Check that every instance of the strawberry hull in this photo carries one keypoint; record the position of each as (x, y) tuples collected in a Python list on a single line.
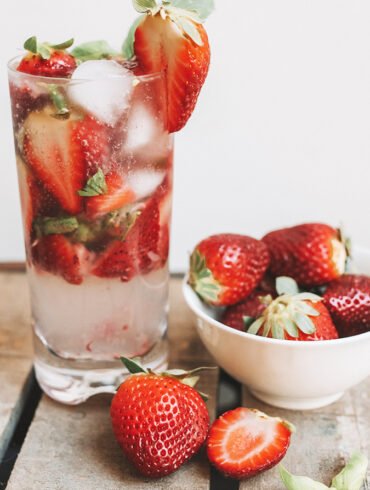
[(96, 205)]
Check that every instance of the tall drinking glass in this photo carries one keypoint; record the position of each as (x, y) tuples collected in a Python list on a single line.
[(94, 163)]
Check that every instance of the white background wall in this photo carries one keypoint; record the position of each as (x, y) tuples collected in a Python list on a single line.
[(281, 133)]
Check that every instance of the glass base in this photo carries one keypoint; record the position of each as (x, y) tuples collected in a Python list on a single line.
[(73, 381)]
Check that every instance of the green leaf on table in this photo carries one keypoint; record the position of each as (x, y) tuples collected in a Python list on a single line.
[(93, 50), (95, 186), (353, 474), (203, 8), (128, 44), (293, 482)]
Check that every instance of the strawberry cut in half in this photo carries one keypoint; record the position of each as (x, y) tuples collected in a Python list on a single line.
[(244, 442), (174, 41), (57, 255), (116, 261), (55, 157)]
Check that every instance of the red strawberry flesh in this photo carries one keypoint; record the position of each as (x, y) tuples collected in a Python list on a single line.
[(60, 64), (244, 442)]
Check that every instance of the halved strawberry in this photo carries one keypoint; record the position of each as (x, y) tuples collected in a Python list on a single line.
[(52, 152), (173, 42), (57, 255), (116, 196), (244, 442)]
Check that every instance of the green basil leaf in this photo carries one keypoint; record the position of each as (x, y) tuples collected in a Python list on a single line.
[(64, 45), (31, 44), (93, 50), (95, 186)]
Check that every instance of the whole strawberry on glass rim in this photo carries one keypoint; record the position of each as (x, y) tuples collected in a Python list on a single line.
[(225, 268), (293, 315), (348, 301), (312, 253), (159, 420), (92, 131)]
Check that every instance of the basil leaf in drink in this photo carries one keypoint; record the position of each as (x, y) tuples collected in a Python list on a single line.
[(128, 44), (59, 100), (56, 226), (93, 50), (95, 186)]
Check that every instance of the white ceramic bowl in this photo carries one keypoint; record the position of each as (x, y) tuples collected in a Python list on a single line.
[(290, 374)]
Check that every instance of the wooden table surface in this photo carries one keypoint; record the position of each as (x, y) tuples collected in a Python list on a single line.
[(45, 445)]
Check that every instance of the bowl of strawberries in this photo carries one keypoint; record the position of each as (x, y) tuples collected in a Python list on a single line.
[(287, 315)]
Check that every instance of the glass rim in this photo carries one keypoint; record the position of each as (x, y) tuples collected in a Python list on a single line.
[(12, 69)]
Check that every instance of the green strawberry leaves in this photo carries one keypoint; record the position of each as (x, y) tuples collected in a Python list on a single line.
[(203, 8), (95, 186), (201, 279), (143, 6), (59, 101), (93, 50), (45, 49), (351, 477), (55, 226)]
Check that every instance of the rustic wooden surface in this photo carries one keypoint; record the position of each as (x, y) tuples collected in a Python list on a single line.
[(73, 448), (15, 351)]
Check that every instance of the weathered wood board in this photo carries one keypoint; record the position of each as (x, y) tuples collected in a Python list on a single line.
[(15, 350)]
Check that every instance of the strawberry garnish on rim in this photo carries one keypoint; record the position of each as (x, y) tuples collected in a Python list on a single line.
[(173, 40), (47, 60), (244, 442)]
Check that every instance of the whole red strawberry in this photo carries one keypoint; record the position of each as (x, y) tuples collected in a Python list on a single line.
[(226, 268), (158, 421), (294, 315), (348, 301), (244, 442), (47, 60), (313, 253), (173, 41)]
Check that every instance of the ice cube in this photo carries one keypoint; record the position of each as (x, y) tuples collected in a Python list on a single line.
[(142, 128), (103, 88), (145, 182)]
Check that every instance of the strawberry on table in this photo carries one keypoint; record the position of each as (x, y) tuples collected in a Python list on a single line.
[(47, 60), (56, 254), (55, 157), (312, 253), (293, 315), (159, 421), (225, 268), (173, 40), (244, 442), (348, 301)]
